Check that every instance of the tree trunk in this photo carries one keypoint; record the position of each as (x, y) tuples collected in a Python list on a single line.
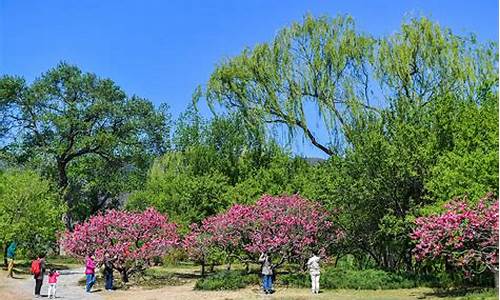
[(337, 258), (5, 255), (63, 191), (212, 267), (203, 269), (229, 266), (124, 275), (247, 267), (62, 181)]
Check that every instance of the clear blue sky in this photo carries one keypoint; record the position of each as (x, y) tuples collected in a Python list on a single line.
[(162, 50)]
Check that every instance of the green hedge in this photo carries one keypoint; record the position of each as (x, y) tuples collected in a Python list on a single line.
[(331, 278), (227, 280)]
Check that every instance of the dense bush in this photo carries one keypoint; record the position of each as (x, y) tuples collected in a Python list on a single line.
[(227, 280)]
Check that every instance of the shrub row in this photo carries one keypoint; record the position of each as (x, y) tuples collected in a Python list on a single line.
[(336, 278), (331, 278), (226, 280)]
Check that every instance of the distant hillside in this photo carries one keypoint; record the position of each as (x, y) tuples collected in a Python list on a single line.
[(314, 160)]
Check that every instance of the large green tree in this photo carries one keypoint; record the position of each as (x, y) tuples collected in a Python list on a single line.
[(83, 131), (319, 64), (327, 66)]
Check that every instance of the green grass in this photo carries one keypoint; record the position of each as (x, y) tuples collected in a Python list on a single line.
[(465, 293), (485, 294)]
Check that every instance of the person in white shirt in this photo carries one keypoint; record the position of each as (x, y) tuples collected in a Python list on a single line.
[(313, 265)]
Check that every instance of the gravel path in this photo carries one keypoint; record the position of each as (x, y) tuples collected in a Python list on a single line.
[(67, 287)]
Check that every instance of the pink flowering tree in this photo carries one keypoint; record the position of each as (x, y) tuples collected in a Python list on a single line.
[(465, 236), (134, 238), (199, 246), (223, 233), (288, 227)]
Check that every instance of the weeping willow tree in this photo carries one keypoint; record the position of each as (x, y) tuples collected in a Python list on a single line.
[(321, 61), (328, 67)]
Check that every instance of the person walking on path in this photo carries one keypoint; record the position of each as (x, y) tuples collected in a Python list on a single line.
[(38, 270), (90, 272), (11, 253), (267, 273), (314, 270), (108, 271), (53, 274)]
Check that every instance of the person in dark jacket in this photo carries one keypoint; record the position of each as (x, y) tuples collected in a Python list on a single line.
[(108, 271), (39, 277), (11, 253)]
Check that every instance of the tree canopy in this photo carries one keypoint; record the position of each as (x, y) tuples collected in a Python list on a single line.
[(83, 131), (327, 64)]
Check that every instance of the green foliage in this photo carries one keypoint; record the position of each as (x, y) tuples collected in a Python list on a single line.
[(214, 165), (82, 131), (226, 280), (30, 211), (471, 165), (315, 61), (184, 196)]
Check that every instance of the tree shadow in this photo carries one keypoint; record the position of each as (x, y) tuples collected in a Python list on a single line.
[(188, 275)]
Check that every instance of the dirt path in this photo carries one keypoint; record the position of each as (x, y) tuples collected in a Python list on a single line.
[(67, 287)]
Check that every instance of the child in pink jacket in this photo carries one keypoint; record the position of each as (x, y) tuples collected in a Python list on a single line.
[(53, 274)]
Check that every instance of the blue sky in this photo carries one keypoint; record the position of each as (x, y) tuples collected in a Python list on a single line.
[(162, 50)]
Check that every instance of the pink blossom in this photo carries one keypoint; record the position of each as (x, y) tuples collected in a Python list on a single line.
[(134, 238), (287, 226), (466, 236)]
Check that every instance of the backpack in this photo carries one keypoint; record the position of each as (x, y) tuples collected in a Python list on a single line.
[(35, 267)]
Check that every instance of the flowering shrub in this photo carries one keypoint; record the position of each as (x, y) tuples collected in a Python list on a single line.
[(134, 238), (465, 236), (289, 227)]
